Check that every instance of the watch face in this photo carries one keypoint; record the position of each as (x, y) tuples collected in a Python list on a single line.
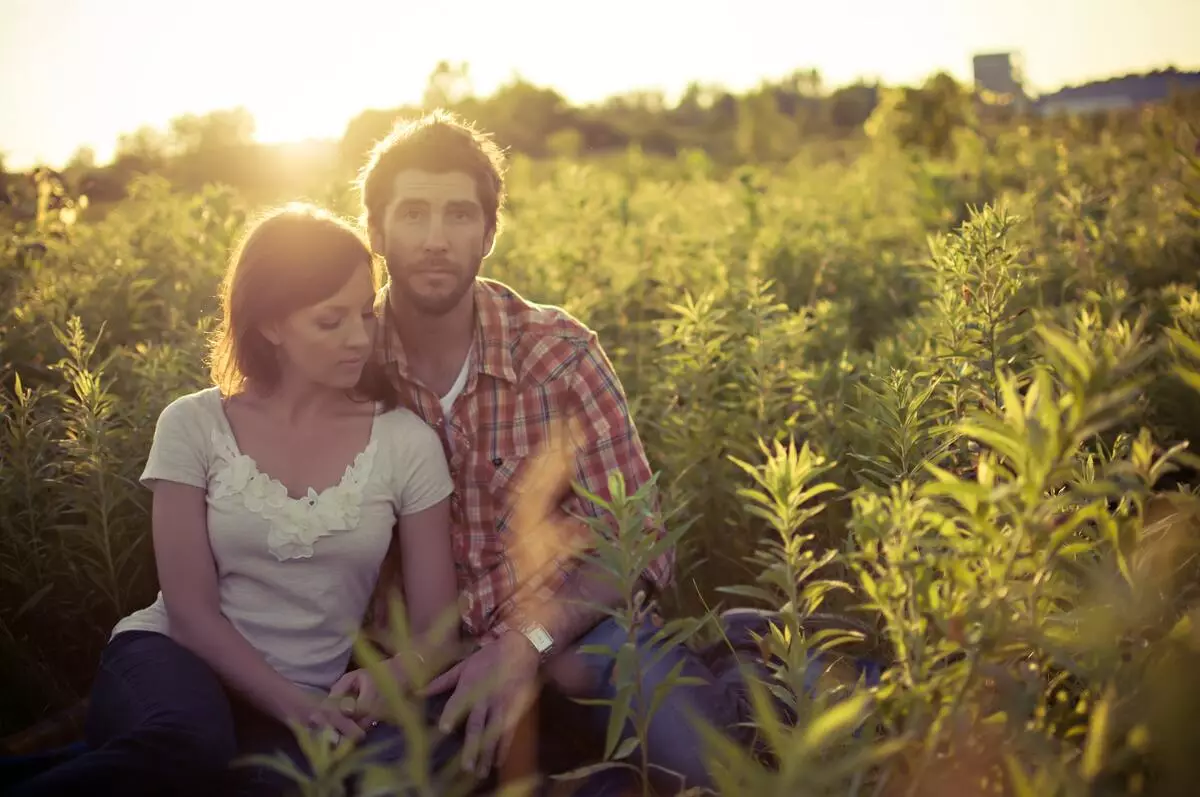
[(540, 639)]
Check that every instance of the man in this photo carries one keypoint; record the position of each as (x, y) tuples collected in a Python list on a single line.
[(492, 373)]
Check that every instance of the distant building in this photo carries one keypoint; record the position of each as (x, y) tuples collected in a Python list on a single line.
[(1122, 93), (997, 72), (999, 77)]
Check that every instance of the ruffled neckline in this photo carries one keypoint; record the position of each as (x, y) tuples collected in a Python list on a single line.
[(295, 523)]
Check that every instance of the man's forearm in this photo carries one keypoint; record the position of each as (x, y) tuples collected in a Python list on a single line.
[(586, 597)]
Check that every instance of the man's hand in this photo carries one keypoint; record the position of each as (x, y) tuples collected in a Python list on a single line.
[(501, 679)]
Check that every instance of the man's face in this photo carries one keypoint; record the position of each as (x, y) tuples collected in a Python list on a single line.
[(434, 237)]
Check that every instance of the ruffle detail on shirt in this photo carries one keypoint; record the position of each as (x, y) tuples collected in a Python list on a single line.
[(295, 523)]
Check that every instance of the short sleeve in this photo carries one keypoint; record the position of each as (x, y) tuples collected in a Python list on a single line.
[(422, 476), (179, 452)]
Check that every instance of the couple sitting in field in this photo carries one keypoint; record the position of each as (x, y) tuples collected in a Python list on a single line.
[(347, 421)]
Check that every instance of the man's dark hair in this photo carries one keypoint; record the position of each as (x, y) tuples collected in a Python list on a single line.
[(437, 142)]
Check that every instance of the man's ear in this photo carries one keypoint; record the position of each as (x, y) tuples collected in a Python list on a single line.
[(377, 241), (489, 240)]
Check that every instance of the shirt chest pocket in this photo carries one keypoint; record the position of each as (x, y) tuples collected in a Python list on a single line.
[(496, 476)]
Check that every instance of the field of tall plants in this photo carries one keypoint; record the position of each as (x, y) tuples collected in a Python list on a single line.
[(952, 398)]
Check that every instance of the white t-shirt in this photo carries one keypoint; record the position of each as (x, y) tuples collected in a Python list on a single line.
[(447, 401), (294, 575)]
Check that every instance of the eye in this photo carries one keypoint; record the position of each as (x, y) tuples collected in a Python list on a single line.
[(328, 325)]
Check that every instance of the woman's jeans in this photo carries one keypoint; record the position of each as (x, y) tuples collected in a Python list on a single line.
[(159, 723)]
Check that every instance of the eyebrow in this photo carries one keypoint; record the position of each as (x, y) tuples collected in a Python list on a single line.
[(454, 204)]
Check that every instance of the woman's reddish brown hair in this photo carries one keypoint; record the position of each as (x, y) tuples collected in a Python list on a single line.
[(289, 258)]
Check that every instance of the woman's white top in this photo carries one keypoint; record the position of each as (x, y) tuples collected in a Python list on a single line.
[(294, 575)]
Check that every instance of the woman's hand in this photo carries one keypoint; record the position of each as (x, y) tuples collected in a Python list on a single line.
[(357, 693), (320, 714), (328, 714)]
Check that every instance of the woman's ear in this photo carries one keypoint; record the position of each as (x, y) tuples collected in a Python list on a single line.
[(270, 332)]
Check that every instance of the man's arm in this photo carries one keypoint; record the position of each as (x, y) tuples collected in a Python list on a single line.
[(557, 590), (553, 588)]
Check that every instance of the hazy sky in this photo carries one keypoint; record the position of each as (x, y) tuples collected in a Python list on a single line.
[(76, 72)]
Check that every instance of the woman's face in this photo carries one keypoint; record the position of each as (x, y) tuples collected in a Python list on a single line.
[(329, 342)]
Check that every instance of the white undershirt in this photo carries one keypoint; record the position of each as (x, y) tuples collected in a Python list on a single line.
[(447, 401)]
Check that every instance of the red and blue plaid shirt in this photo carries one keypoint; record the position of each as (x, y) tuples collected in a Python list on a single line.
[(531, 365)]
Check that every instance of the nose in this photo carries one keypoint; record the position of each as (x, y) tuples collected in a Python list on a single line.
[(360, 336), (435, 237)]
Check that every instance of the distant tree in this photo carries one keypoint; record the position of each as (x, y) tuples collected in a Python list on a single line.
[(924, 118), (211, 132), (83, 159), (851, 106), (363, 131), (448, 85), (520, 114), (5, 198), (802, 83), (79, 169), (764, 133), (143, 150)]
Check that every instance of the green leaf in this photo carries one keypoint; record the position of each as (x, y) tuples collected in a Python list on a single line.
[(32, 601), (1020, 781), (620, 708), (747, 591), (996, 437), (592, 769), (626, 748), (834, 721), (1066, 348), (1097, 735)]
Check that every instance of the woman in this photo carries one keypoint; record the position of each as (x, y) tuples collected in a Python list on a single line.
[(275, 494)]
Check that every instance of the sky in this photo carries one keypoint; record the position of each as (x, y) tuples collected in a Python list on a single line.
[(81, 72)]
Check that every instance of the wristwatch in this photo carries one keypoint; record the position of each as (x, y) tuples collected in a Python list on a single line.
[(539, 637)]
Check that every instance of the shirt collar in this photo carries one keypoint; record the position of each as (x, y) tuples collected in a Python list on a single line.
[(492, 326)]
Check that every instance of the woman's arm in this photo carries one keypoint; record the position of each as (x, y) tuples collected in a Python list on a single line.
[(428, 576), (188, 579)]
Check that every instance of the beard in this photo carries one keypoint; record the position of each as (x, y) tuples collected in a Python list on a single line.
[(407, 275)]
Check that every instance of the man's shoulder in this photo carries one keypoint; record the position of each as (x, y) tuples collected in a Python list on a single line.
[(545, 341), (526, 317)]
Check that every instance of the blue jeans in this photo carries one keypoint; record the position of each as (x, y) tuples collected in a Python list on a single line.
[(572, 734), (161, 723), (720, 699)]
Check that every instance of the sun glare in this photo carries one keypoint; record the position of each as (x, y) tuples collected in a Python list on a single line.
[(306, 72)]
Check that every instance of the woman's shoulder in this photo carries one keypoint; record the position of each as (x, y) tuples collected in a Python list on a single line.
[(403, 422), (198, 406)]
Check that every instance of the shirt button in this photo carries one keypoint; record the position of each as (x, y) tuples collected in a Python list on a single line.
[(497, 461)]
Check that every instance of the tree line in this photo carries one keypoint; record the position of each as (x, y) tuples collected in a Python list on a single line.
[(768, 124)]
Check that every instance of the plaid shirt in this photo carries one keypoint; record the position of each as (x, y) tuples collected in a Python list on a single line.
[(531, 365)]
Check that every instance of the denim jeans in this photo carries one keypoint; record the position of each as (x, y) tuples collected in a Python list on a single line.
[(160, 722), (572, 733)]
